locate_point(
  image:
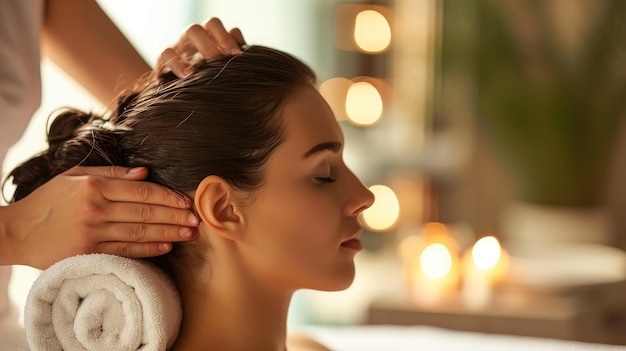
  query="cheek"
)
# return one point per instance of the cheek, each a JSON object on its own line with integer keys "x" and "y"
{"x": 307, "y": 216}
{"x": 299, "y": 233}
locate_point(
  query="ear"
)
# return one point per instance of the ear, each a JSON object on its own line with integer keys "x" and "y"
{"x": 214, "y": 201}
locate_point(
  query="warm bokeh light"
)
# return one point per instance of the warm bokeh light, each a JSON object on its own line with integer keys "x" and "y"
{"x": 372, "y": 32}
{"x": 334, "y": 91}
{"x": 435, "y": 231}
{"x": 484, "y": 266}
{"x": 411, "y": 197}
{"x": 410, "y": 247}
{"x": 486, "y": 252}
{"x": 436, "y": 261}
{"x": 364, "y": 105}
{"x": 385, "y": 211}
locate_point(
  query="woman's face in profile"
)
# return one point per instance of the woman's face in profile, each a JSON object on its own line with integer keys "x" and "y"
{"x": 308, "y": 207}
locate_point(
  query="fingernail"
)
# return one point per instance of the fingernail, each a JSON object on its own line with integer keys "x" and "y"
{"x": 235, "y": 51}
{"x": 186, "y": 233}
{"x": 135, "y": 170}
{"x": 193, "y": 221}
{"x": 165, "y": 247}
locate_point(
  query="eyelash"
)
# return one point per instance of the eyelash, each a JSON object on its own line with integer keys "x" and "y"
{"x": 324, "y": 180}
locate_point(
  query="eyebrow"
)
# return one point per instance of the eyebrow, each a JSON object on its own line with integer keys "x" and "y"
{"x": 333, "y": 146}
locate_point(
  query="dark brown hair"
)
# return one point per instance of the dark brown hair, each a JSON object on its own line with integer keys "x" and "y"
{"x": 222, "y": 120}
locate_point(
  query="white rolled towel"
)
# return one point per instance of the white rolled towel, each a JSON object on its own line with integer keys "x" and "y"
{"x": 102, "y": 302}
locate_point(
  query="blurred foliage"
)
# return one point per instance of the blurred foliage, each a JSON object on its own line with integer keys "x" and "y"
{"x": 550, "y": 89}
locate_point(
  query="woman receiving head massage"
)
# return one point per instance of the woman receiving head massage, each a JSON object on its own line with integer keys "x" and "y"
{"x": 253, "y": 143}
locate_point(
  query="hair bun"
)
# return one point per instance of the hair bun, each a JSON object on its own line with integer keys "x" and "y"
{"x": 65, "y": 126}
{"x": 30, "y": 175}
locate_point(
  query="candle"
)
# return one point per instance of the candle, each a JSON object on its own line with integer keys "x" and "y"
{"x": 484, "y": 266}
{"x": 431, "y": 264}
{"x": 437, "y": 274}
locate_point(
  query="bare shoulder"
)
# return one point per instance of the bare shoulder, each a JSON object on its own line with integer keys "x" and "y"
{"x": 302, "y": 342}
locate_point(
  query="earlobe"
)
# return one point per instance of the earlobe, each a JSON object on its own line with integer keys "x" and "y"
{"x": 215, "y": 205}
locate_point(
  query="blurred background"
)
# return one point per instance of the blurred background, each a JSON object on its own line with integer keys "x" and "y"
{"x": 491, "y": 131}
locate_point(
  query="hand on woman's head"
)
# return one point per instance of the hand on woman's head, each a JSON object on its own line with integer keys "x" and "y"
{"x": 71, "y": 200}
{"x": 96, "y": 209}
{"x": 209, "y": 40}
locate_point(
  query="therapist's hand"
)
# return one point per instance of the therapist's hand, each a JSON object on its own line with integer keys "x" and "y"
{"x": 208, "y": 40}
{"x": 95, "y": 210}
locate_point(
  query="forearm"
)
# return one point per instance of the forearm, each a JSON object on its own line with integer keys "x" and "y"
{"x": 80, "y": 38}
{"x": 4, "y": 238}
{"x": 9, "y": 241}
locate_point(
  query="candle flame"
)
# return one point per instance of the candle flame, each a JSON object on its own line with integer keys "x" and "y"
{"x": 436, "y": 261}
{"x": 486, "y": 252}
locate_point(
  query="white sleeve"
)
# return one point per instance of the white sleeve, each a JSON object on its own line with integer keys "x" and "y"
{"x": 20, "y": 75}
{"x": 20, "y": 96}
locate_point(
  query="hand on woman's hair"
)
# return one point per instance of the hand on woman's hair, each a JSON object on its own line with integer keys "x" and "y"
{"x": 208, "y": 40}
{"x": 97, "y": 209}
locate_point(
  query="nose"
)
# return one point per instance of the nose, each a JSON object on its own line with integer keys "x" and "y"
{"x": 361, "y": 197}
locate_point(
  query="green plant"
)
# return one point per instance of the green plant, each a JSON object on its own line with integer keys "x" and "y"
{"x": 551, "y": 93}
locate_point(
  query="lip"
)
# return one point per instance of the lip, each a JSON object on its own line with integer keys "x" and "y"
{"x": 357, "y": 234}
{"x": 353, "y": 244}
{"x": 349, "y": 242}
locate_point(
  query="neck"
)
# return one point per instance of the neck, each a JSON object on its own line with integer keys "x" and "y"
{"x": 231, "y": 311}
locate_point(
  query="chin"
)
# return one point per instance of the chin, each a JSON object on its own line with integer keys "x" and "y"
{"x": 340, "y": 279}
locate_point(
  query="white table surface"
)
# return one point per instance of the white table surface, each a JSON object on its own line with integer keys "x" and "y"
{"x": 414, "y": 338}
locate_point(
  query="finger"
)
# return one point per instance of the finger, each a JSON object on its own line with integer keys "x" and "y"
{"x": 126, "y": 212}
{"x": 119, "y": 172}
{"x": 140, "y": 192}
{"x": 170, "y": 59}
{"x": 142, "y": 232}
{"x": 134, "y": 250}
{"x": 184, "y": 48}
{"x": 202, "y": 41}
{"x": 236, "y": 34}
{"x": 222, "y": 38}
